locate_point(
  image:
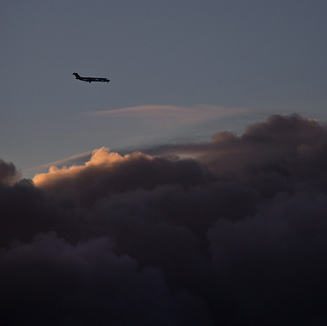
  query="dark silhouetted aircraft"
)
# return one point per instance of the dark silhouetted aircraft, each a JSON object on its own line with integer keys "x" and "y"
{"x": 90, "y": 79}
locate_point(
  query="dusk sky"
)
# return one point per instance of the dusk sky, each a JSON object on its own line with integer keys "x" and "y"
{"x": 243, "y": 59}
{"x": 190, "y": 190}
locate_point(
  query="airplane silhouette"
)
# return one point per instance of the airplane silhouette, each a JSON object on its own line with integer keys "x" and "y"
{"x": 90, "y": 79}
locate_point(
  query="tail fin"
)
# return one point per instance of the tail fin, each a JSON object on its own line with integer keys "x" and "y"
{"x": 76, "y": 75}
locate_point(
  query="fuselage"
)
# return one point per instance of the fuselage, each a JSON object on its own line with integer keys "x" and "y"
{"x": 91, "y": 79}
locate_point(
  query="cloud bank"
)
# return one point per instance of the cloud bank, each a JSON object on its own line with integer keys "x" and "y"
{"x": 235, "y": 237}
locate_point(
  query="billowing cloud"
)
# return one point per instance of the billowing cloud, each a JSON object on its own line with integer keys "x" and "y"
{"x": 290, "y": 144}
{"x": 8, "y": 173}
{"x": 236, "y": 236}
{"x": 100, "y": 158}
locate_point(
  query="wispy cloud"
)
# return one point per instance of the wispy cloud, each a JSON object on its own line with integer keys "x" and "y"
{"x": 68, "y": 161}
{"x": 177, "y": 114}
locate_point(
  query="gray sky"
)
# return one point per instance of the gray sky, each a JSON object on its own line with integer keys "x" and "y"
{"x": 179, "y": 71}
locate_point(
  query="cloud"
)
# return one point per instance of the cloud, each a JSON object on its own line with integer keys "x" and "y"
{"x": 72, "y": 160}
{"x": 8, "y": 173}
{"x": 236, "y": 236}
{"x": 99, "y": 158}
{"x": 166, "y": 109}
{"x": 96, "y": 285}
{"x": 280, "y": 144}
{"x": 170, "y": 115}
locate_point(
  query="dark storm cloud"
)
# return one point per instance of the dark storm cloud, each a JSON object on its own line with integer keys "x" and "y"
{"x": 236, "y": 237}
{"x": 8, "y": 173}
{"x": 279, "y": 144}
{"x": 272, "y": 145}
{"x": 57, "y": 283}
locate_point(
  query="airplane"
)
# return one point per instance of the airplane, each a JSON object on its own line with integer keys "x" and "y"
{"x": 90, "y": 79}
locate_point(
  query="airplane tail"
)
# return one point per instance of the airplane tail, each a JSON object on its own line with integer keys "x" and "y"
{"x": 76, "y": 75}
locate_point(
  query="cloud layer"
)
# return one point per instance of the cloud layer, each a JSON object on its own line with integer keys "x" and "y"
{"x": 235, "y": 237}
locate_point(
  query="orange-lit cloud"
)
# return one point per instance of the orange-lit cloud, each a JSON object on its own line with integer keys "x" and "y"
{"x": 101, "y": 158}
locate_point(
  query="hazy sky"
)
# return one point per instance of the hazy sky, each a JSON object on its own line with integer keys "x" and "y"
{"x": 179, "y": 70}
